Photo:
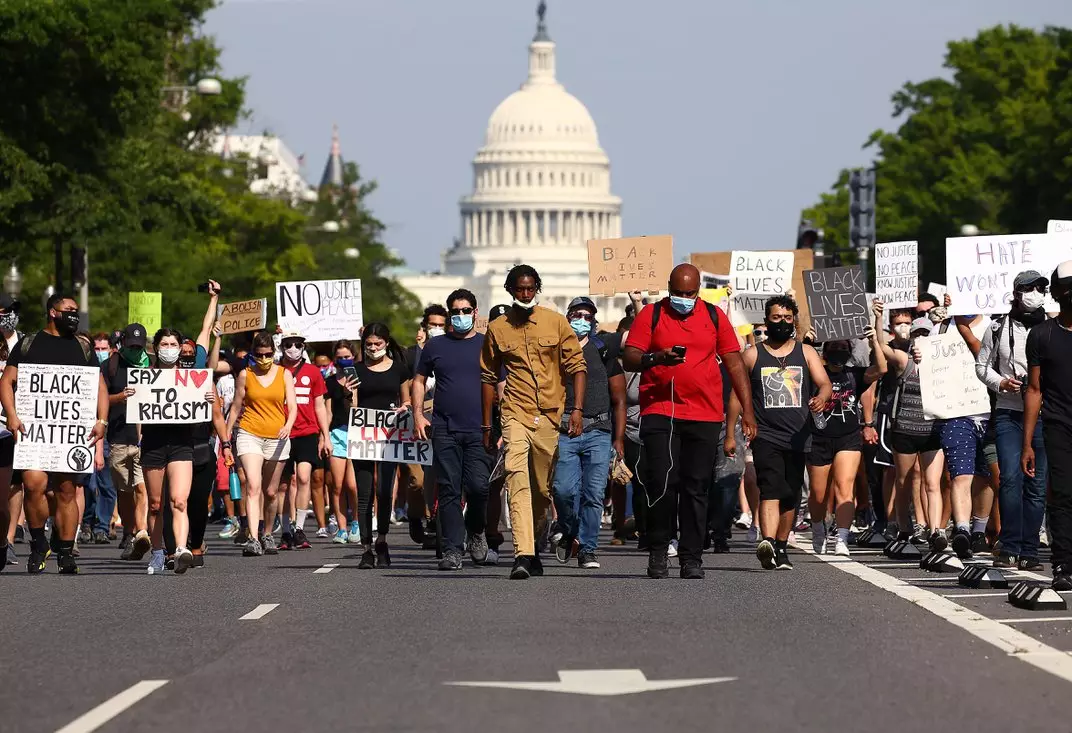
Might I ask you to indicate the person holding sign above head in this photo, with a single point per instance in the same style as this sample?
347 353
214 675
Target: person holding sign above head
56 345
264 409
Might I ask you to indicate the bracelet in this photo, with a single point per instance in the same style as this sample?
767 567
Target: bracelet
868 425
101 422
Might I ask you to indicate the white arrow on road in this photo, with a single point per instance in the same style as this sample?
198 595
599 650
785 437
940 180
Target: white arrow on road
604 682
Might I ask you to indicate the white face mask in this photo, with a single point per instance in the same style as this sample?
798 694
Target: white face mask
903 331
293 353
1032 300
168 354
434 331
527 306
375 354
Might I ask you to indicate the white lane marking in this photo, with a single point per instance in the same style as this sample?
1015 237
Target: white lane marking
599 682
111 707
326 569
1030 620
975 595
930 578
259 612
892 564
1015 643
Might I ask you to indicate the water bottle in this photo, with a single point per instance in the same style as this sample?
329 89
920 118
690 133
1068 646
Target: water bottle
236 485
820 419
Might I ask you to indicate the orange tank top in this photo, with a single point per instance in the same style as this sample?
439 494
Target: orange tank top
265 407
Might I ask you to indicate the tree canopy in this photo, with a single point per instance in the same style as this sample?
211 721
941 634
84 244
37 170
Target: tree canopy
990 146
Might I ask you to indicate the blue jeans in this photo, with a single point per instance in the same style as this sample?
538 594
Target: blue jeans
100 497
1021 499
580 482
462 466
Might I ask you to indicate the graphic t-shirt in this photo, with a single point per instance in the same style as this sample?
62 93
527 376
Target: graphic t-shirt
842 409
308 385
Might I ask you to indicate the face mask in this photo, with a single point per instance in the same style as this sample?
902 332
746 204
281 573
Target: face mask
683 306
837 358
9 322
779 331
134 356
902 331
186 362
462 323
343 363
67 322
436 331
1031 301
937 314
293 352
581 327
168 354
102 356
263 363
327 371
375 354
525 306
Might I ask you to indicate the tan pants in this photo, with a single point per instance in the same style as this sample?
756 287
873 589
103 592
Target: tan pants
529 463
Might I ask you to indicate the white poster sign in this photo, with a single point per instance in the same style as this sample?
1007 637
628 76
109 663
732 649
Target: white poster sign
1058 226
58 407
320 310
980 270
385 435
756 276
897 273
947 380
168 396
937 290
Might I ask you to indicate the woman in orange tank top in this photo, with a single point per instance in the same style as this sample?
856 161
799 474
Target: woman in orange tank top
264 408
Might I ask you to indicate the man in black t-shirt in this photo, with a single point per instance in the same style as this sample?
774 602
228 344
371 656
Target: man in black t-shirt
58 345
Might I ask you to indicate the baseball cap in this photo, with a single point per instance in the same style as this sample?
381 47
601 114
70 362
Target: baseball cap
499 310
291 335
922 324
1063 272
1029 277
134 335
582 301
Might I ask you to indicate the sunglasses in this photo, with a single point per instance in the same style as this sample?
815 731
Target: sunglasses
263 354
584 316
1040 288
461 311
296 342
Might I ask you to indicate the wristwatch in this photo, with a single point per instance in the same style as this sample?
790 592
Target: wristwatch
868 424
647 361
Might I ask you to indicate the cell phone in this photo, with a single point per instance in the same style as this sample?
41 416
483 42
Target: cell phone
202 288
350 373
679 350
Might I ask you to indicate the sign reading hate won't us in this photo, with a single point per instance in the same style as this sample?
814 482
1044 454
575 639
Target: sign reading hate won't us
628 264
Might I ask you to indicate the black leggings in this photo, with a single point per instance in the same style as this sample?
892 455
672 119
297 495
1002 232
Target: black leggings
634 459
204 480
363 470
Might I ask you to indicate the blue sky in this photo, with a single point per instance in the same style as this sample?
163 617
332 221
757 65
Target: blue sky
722 120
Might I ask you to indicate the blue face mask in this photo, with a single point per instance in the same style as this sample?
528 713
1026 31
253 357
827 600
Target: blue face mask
683 306
343 363
102 356
581 327
462 323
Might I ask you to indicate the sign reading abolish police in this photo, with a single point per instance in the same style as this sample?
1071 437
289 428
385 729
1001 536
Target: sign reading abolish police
58 407
385 435
320 310
837 301
244 315
168 396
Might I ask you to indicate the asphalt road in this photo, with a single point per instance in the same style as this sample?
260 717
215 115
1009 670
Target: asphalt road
816 649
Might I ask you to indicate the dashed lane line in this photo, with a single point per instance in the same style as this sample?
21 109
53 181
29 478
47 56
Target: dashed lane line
112 707
326 568
259 612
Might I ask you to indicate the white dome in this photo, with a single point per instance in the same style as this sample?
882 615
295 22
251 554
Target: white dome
541 115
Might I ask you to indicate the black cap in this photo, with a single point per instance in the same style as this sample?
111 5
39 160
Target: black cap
9 304
582 301
499 310
134 335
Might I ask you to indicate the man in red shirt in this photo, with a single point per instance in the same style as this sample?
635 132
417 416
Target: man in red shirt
676 344
309 439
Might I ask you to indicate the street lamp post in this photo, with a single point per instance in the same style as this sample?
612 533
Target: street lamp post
13 282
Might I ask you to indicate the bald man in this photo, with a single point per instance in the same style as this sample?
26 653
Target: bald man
680 345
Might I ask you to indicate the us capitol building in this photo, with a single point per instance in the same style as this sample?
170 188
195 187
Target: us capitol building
541 188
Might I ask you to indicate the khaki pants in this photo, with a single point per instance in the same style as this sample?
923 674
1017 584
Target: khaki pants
125 463
529 464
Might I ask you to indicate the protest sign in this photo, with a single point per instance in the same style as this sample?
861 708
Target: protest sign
717 297
947 380
628 264
897 274
980 270
144 308
937 290
756 276
1058 226
709 281
837 301
168 396
320 310
803 259
244 315
385 435
58 407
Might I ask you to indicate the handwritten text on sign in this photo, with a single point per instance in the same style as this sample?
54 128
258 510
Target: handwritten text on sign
385 435
755 277
245 315
980 270
947 380
57 406
837 301
320 310
897 274
168 396
144 308
632 263
1058 226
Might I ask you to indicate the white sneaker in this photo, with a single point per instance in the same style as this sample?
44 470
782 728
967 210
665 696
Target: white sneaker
818 539
322 533
841 548
744 521
156 563
753 534
671 551
492 558
184 560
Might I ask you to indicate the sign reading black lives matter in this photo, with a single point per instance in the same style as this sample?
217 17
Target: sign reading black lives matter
320 310
168 396
58 407
837 301
385 435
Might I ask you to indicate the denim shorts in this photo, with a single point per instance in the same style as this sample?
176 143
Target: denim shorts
338 442
962 441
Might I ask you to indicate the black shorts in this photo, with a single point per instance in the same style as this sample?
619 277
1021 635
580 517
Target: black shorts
7 451
911 444
823 449
303 449
779 473
160 454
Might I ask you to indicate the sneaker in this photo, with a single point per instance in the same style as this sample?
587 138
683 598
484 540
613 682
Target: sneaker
841 548
354 533
140 546
100 537
744 521
643 544
322 533
242 536
300 542
1006 562
126 546
536 566
230 529
252 548
522 568
156 563
657 565
416 530
268 543
492 558
979 543
587 560
431 536
861 520
451 561
720 545
478 548
616 541
341 537
67 564
671 551
765 552
937 540
962 544
198 562
920 535
1030 564
276 526
383 554
333 526
368 560
818 540
753 534
184 560
692 571
781 559
564 547
286 542
1062 578
85 534
36 564
10 557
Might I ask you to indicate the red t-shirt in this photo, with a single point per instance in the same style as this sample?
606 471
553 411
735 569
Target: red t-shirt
697 384
308 385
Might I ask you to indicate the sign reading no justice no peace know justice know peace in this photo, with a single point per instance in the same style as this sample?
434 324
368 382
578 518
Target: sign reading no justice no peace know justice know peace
628 264
320 310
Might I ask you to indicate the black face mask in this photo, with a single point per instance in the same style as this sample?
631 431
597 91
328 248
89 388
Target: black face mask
185 362
779 331
837 358
67 322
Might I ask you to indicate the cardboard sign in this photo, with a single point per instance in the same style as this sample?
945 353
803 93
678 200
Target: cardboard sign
756 276
803 259
144 308
709 281
947 380
632 263
320 310
897 274
980 270
1058 226
937 290
385 435
168 396
244 315
837 301
58 407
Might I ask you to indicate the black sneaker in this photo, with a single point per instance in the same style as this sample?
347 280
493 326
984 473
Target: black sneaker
67 564
1062 578
643 544
536 566
198 561
564 549
587 560
1031 564
522 569
692 571
937 541
720 546
35 565
979 543
657 565
767 555
286 542
383 555
126 546
241 537
416 530
781 559
368 560
300 542
451 561
962 544
1007 562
